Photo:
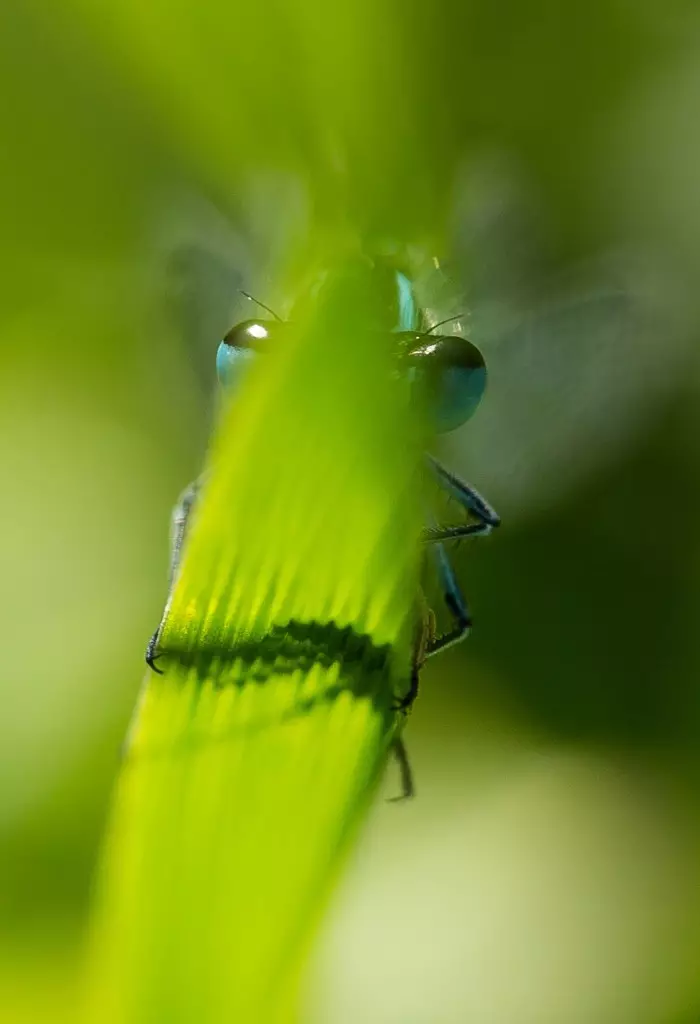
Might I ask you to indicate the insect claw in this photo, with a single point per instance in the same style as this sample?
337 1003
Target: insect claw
400 799
398 748
152 654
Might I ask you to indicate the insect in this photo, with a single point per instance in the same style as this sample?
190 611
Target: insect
450 372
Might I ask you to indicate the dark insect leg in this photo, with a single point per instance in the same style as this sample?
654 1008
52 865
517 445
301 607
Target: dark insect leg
424 635
467 496
178 532
435 534
487 520
404 703
152 653
456 605
427 643
398 749
178 527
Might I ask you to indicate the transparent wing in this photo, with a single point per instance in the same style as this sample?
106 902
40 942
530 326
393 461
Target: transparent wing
568 388
576 367
203 253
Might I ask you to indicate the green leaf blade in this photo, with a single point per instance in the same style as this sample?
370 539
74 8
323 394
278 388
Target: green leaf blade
286 640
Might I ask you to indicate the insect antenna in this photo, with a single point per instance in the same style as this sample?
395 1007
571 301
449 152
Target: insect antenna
449 320
262 305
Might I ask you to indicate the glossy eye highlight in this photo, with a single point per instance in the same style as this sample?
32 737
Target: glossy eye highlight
240 347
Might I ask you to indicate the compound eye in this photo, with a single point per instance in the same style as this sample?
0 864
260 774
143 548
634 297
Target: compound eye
454 371
240 347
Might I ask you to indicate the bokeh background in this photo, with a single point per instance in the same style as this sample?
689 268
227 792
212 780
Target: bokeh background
156 157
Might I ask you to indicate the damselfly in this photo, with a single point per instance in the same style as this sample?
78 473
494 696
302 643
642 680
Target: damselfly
570 377
449 372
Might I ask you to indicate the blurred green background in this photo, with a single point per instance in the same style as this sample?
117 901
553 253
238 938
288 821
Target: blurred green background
154 158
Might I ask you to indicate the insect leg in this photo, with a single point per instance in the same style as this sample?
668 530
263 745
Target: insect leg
424 636
435 534
467 496
405 702
456 605
178 527
398 749
178 532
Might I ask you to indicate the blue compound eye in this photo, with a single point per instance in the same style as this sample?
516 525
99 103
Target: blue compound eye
240 347
461 384
453 373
